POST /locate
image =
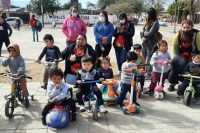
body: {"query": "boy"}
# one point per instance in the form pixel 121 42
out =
pixel 57 94
pixel 128 69
pixel 16 65
pixel 192 68
pixel 87 73
pixel 140 61
pixel 52 53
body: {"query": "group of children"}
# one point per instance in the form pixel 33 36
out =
pixel 57 90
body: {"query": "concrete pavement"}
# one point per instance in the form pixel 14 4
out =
pixel 167 116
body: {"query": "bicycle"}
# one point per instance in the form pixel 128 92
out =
pixel 16 93
pixel 190 91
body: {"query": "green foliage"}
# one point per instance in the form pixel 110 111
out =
pixel 171 9
pixel 66 6
pixel 49 6
pixel 102 3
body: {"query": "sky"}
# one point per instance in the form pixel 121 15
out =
pixel 23 3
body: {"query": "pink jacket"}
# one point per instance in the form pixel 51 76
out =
pixel 72 27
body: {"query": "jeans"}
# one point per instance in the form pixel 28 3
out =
pixel 71 79
pixel 124 89
pixel 120 56
pixel 35 31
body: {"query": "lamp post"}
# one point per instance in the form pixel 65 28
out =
pixel 42 12
pixel 175 16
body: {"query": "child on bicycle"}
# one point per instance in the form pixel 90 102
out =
pixel 51 53
pixel 105 72
pixel 16 65
pixel 128 70
pixel 192 68
pixel 57 94
pixel 159 55
pixel 88 73
pixel 140 61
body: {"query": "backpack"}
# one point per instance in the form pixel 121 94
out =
pixel 39 26
pixel 194 45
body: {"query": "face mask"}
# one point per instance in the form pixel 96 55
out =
pixel 74 14
pixel 122 21
pixel 188 33
pixel 102 19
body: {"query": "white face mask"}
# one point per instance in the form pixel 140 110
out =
pixel 102 19
pixel 122 21
pixel 74 14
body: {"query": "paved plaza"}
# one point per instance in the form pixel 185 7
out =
pixel 157 116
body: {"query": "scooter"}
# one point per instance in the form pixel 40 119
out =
pixel 131 107
pixel 158 91
pixel 108 93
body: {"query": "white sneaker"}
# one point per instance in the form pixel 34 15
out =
pixel 82 108
pixel 102 109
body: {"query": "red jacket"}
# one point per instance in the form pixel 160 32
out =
pixel 33 22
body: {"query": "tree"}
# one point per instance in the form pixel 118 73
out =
pixel 66 6
pixel 48 6
pixel 157 4
pixel 103 3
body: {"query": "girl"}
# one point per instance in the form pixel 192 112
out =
pixel 160 55
pixel 105 72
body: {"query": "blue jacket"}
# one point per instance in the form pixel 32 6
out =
pixel 103 30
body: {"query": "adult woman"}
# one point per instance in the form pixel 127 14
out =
pixel 103 32
pixel 149 38
pixel 123 38
pixel 73 26
pixel 4 35
pixel 72 56
pixel 185 42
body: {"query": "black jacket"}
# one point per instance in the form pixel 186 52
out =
pixel 67 52
pixel 127 35
pixel 4 27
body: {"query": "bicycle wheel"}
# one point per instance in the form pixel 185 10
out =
pixel 9 107
pixel 94 112
pixel 187 98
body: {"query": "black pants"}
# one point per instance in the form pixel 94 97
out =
pixel 6 41
pixel 104 53
pixel 177 67
pixel 185 84
pixel 85 90
pixel 50 105
pixel 140 78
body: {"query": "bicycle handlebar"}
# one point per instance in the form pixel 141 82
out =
pixel 189 76
pixel 14 76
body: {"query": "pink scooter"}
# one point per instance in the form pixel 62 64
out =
pixel 158 91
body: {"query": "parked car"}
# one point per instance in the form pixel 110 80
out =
pixel 12 21
pixel 162 23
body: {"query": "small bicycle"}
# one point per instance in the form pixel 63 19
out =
pixel 190 91
pixel 16 93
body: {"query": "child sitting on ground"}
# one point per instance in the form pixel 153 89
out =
pixel 105 72
pixel 57 94
pixel 88 73
pixel 128 70
pixel 52 53
pixel 140 61
pixel 16 65
pixel 160 55
pixel 192 68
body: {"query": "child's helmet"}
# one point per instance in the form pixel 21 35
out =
pixel 137 46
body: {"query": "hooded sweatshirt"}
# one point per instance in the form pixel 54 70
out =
pixel 16 64
pixel 72 27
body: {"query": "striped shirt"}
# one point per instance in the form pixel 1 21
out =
pixel 126 77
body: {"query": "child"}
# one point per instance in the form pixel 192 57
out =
pixel 140 61
pixel 52 53
pixel 87 73
pixel 105 72
pixel 128 70
pixel 160 55
pixel 16 65
pixel 57 94
pixel 192 68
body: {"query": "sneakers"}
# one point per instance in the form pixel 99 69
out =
pixel 137 104
pixel 82 108
pixel 26 102
pixel 102 109
pixel 74 116
pixel 171 87
pixel 44 86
